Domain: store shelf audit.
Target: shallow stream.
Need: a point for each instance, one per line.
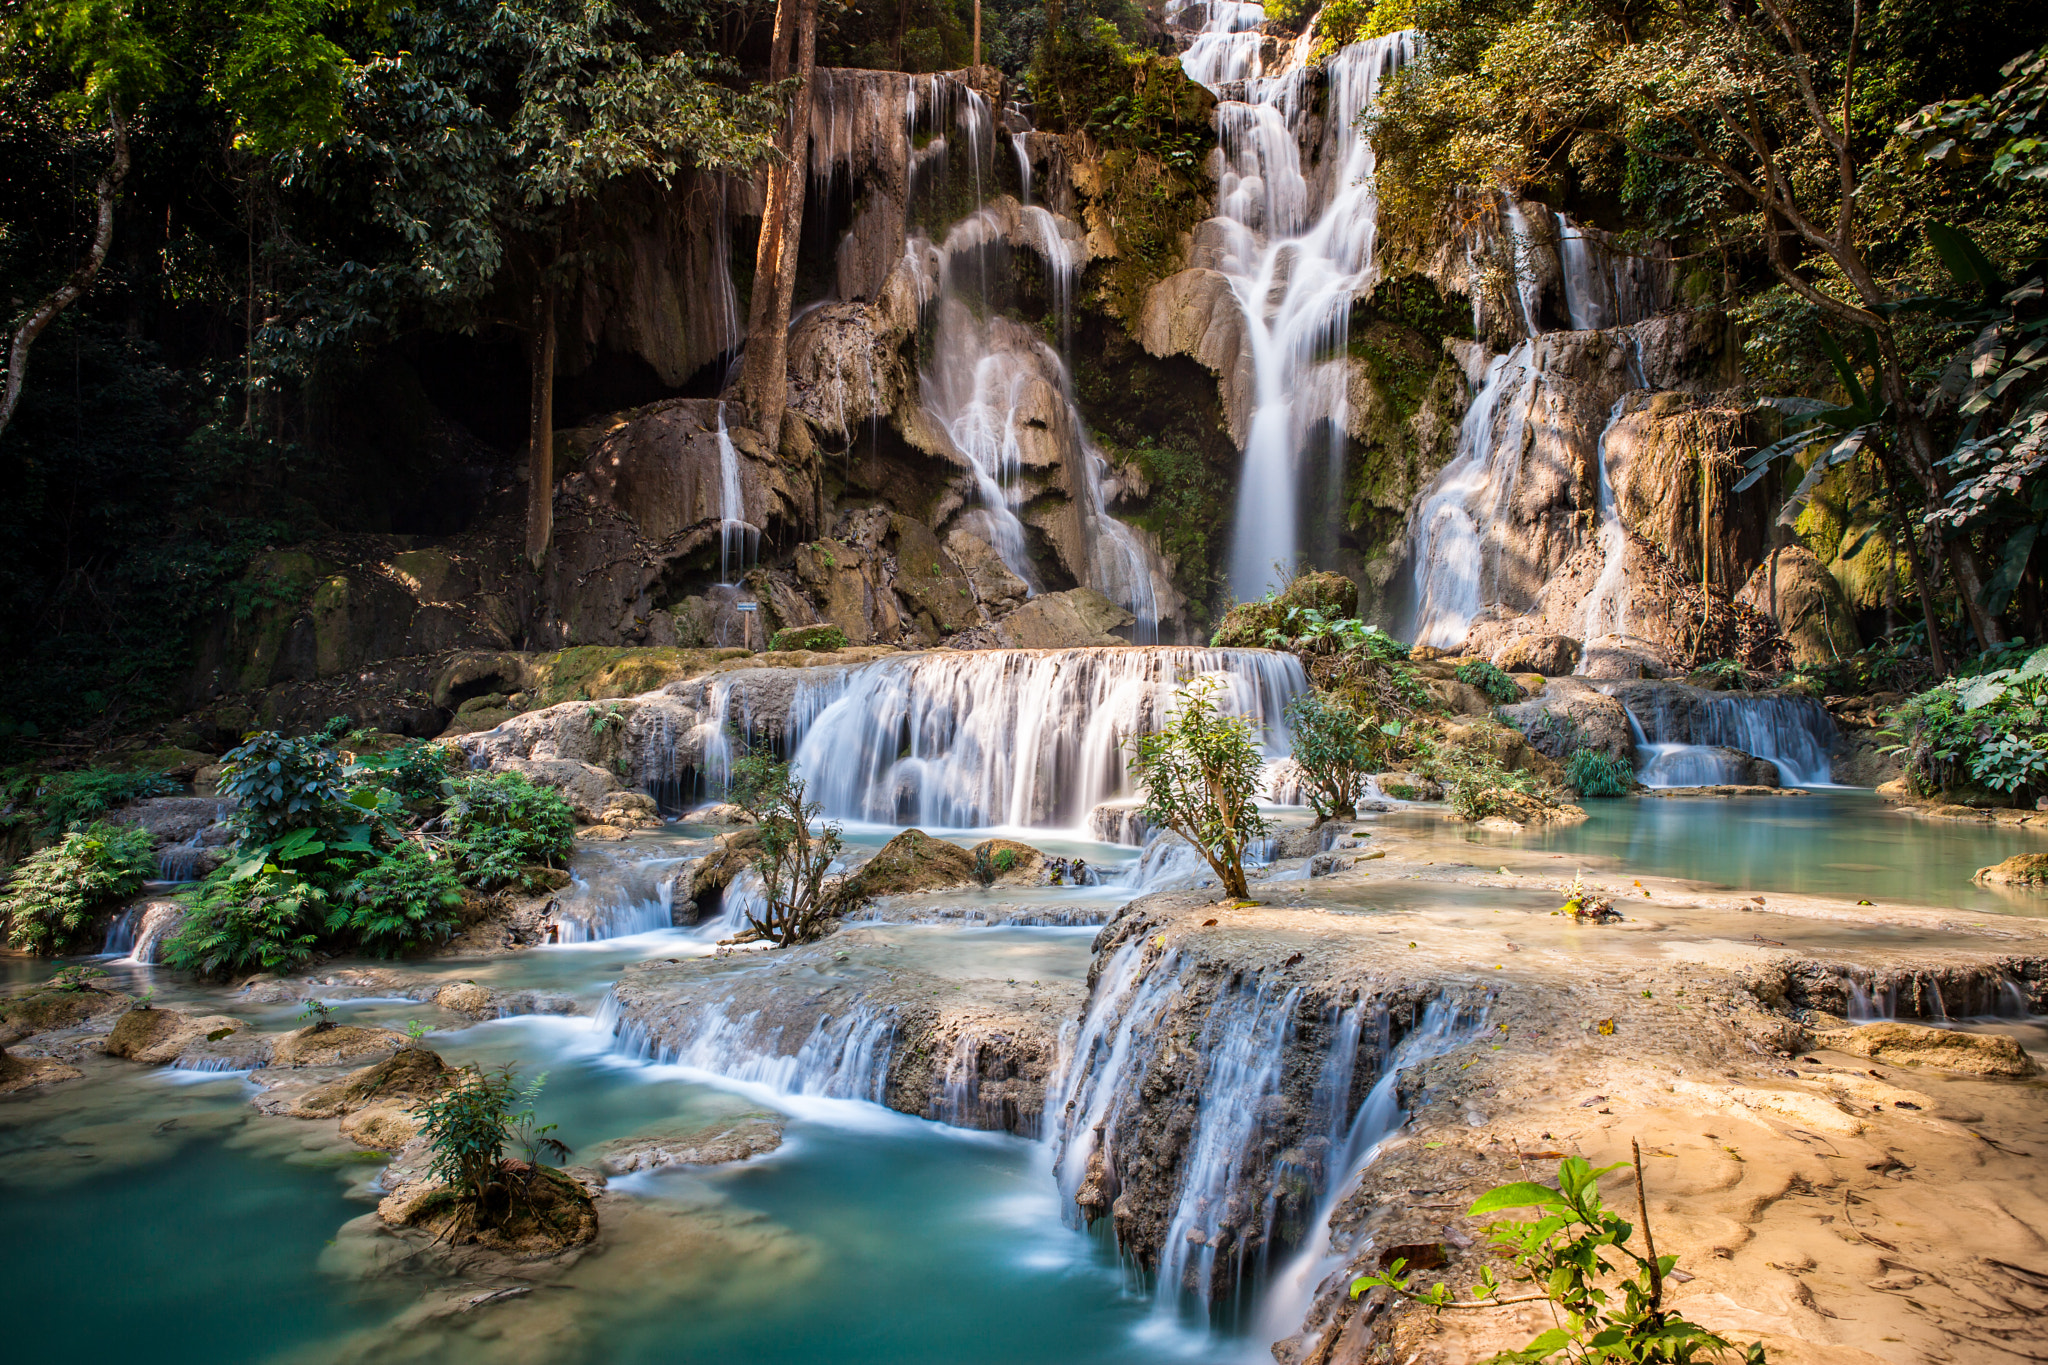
(158, 1214)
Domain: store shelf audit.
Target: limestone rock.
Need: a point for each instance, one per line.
(995, 587)
(1610, 658)
(1011, 862)
(1072, 619)
(43, 1008)
(1196, 313)
(1974, 1054)
(466, 997)
(159, 1037)
(721, 813)
(585, 786)
(714, 1144)
(2021, 869)
(1571, 713)
(929, 579)
(629, 811)
(913, 861)
(1796, 590)
(410, 1074)
(1409, 787)
(315, 1046)
(19, 1073)
(1550, 655)
(385, 1126)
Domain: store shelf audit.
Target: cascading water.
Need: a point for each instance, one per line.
(139, 933)
(1606, 606)
(1446, 1023)
(1006, 737)
(844, 1057)
(738, 542)
(1295, 256)
(1459, 531)
(1677, 731)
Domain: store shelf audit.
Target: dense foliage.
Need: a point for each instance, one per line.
(47, 804)
(1335, 749)
(1499, 688)
(372, 856)
(1592, 773)
(57, 892)
(1988, 731)
(1201, 776)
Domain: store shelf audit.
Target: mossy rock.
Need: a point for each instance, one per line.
(816, 639)
(2021, 869)
(411, 1073)
(39, 1010)
(599, 672)
(1245, 627)
(913, 861)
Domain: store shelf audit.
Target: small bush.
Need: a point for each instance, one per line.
(1990, 730)
(68, 800)
(819, 639)
(240, 921)
(57, 891)
(402, 900)
(415, 771)
(468, 1126)
(500, 824)
(1335, 747)
(280, 784)
(1592, 773)
(1201, 776)
(1477, 785)
(1498, 686)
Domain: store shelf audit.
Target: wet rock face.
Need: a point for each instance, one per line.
(1795, 590)
(715, 1144)
(1570, 713)
(160, 1037)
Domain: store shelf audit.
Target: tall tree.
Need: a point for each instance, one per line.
(764, 381)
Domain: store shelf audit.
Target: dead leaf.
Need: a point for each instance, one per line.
(1605, 1028)
(1208, 924)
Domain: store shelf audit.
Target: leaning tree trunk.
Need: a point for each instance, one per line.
(540, 458)
(45, 312)
(765, 381)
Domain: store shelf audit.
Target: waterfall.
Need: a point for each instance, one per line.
(844, 1057)
(1605, 286)
(1606, 607)
(1679, 726)
(1293, 263)
(738, 542)
(138, 934)
(1446, 1023)
(611, 897)
(960, 740)
(1454, 558)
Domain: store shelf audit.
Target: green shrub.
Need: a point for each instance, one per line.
(57, 891)
(1592, 773)
(1498, 686)
(239, 920)
(1990, 730)
(1477, 784)
(400, 901)
(415, 771)
(500, 824)
(1201, 775)
(280, 784)
(469, 1125)
(819, 639)
(1335, 747)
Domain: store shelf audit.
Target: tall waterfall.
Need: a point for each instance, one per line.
(1460, 531)
(738, 542)
(1004, 397)
(1296, 247)
(1006, 737)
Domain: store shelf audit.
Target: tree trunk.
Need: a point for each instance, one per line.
(540, 466)
(765, 382)
(45, 312)
(1925, 461)
(1926, 590)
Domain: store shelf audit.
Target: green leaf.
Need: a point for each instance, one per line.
(1519, 1195)
(1960, 253)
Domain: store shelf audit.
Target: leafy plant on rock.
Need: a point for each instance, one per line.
(469, 1125)
(67, 800)
(1201, 775)
(798, 896)
(500, 825)
(402, 900)
(1570, 1253)
(1592, 773)
(280, 784)
(1498, 686)
(247, 917)
(1336, 748)
(1990, 730)
(57, 891)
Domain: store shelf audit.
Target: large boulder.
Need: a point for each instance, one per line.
(1796, 590)
(913, 861)
(1550, 655)
(995, 587)
(410, 1074)
(2021, 869)
(1570, 714)
(1613, 658)
(1074, 619)
(159, 1037)
(1972, 1054)
(334, 1044)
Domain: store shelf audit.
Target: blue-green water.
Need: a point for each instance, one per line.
(1830, 843)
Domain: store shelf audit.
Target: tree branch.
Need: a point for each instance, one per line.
(44, 313)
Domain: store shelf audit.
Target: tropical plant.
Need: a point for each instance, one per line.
(799, 898)
(57, 891)
(62, 801)
(1990, 729)
(500, 825)
(1477, 784)
(317, 1014)
(1336, 748)
(1569, 1253)
(1201, 775)
(280, 785)
(1590, 772)
(415, 772)
(78, 977)
(247, 917)
(467, 1128)
(1497, 685)
(403, 899)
